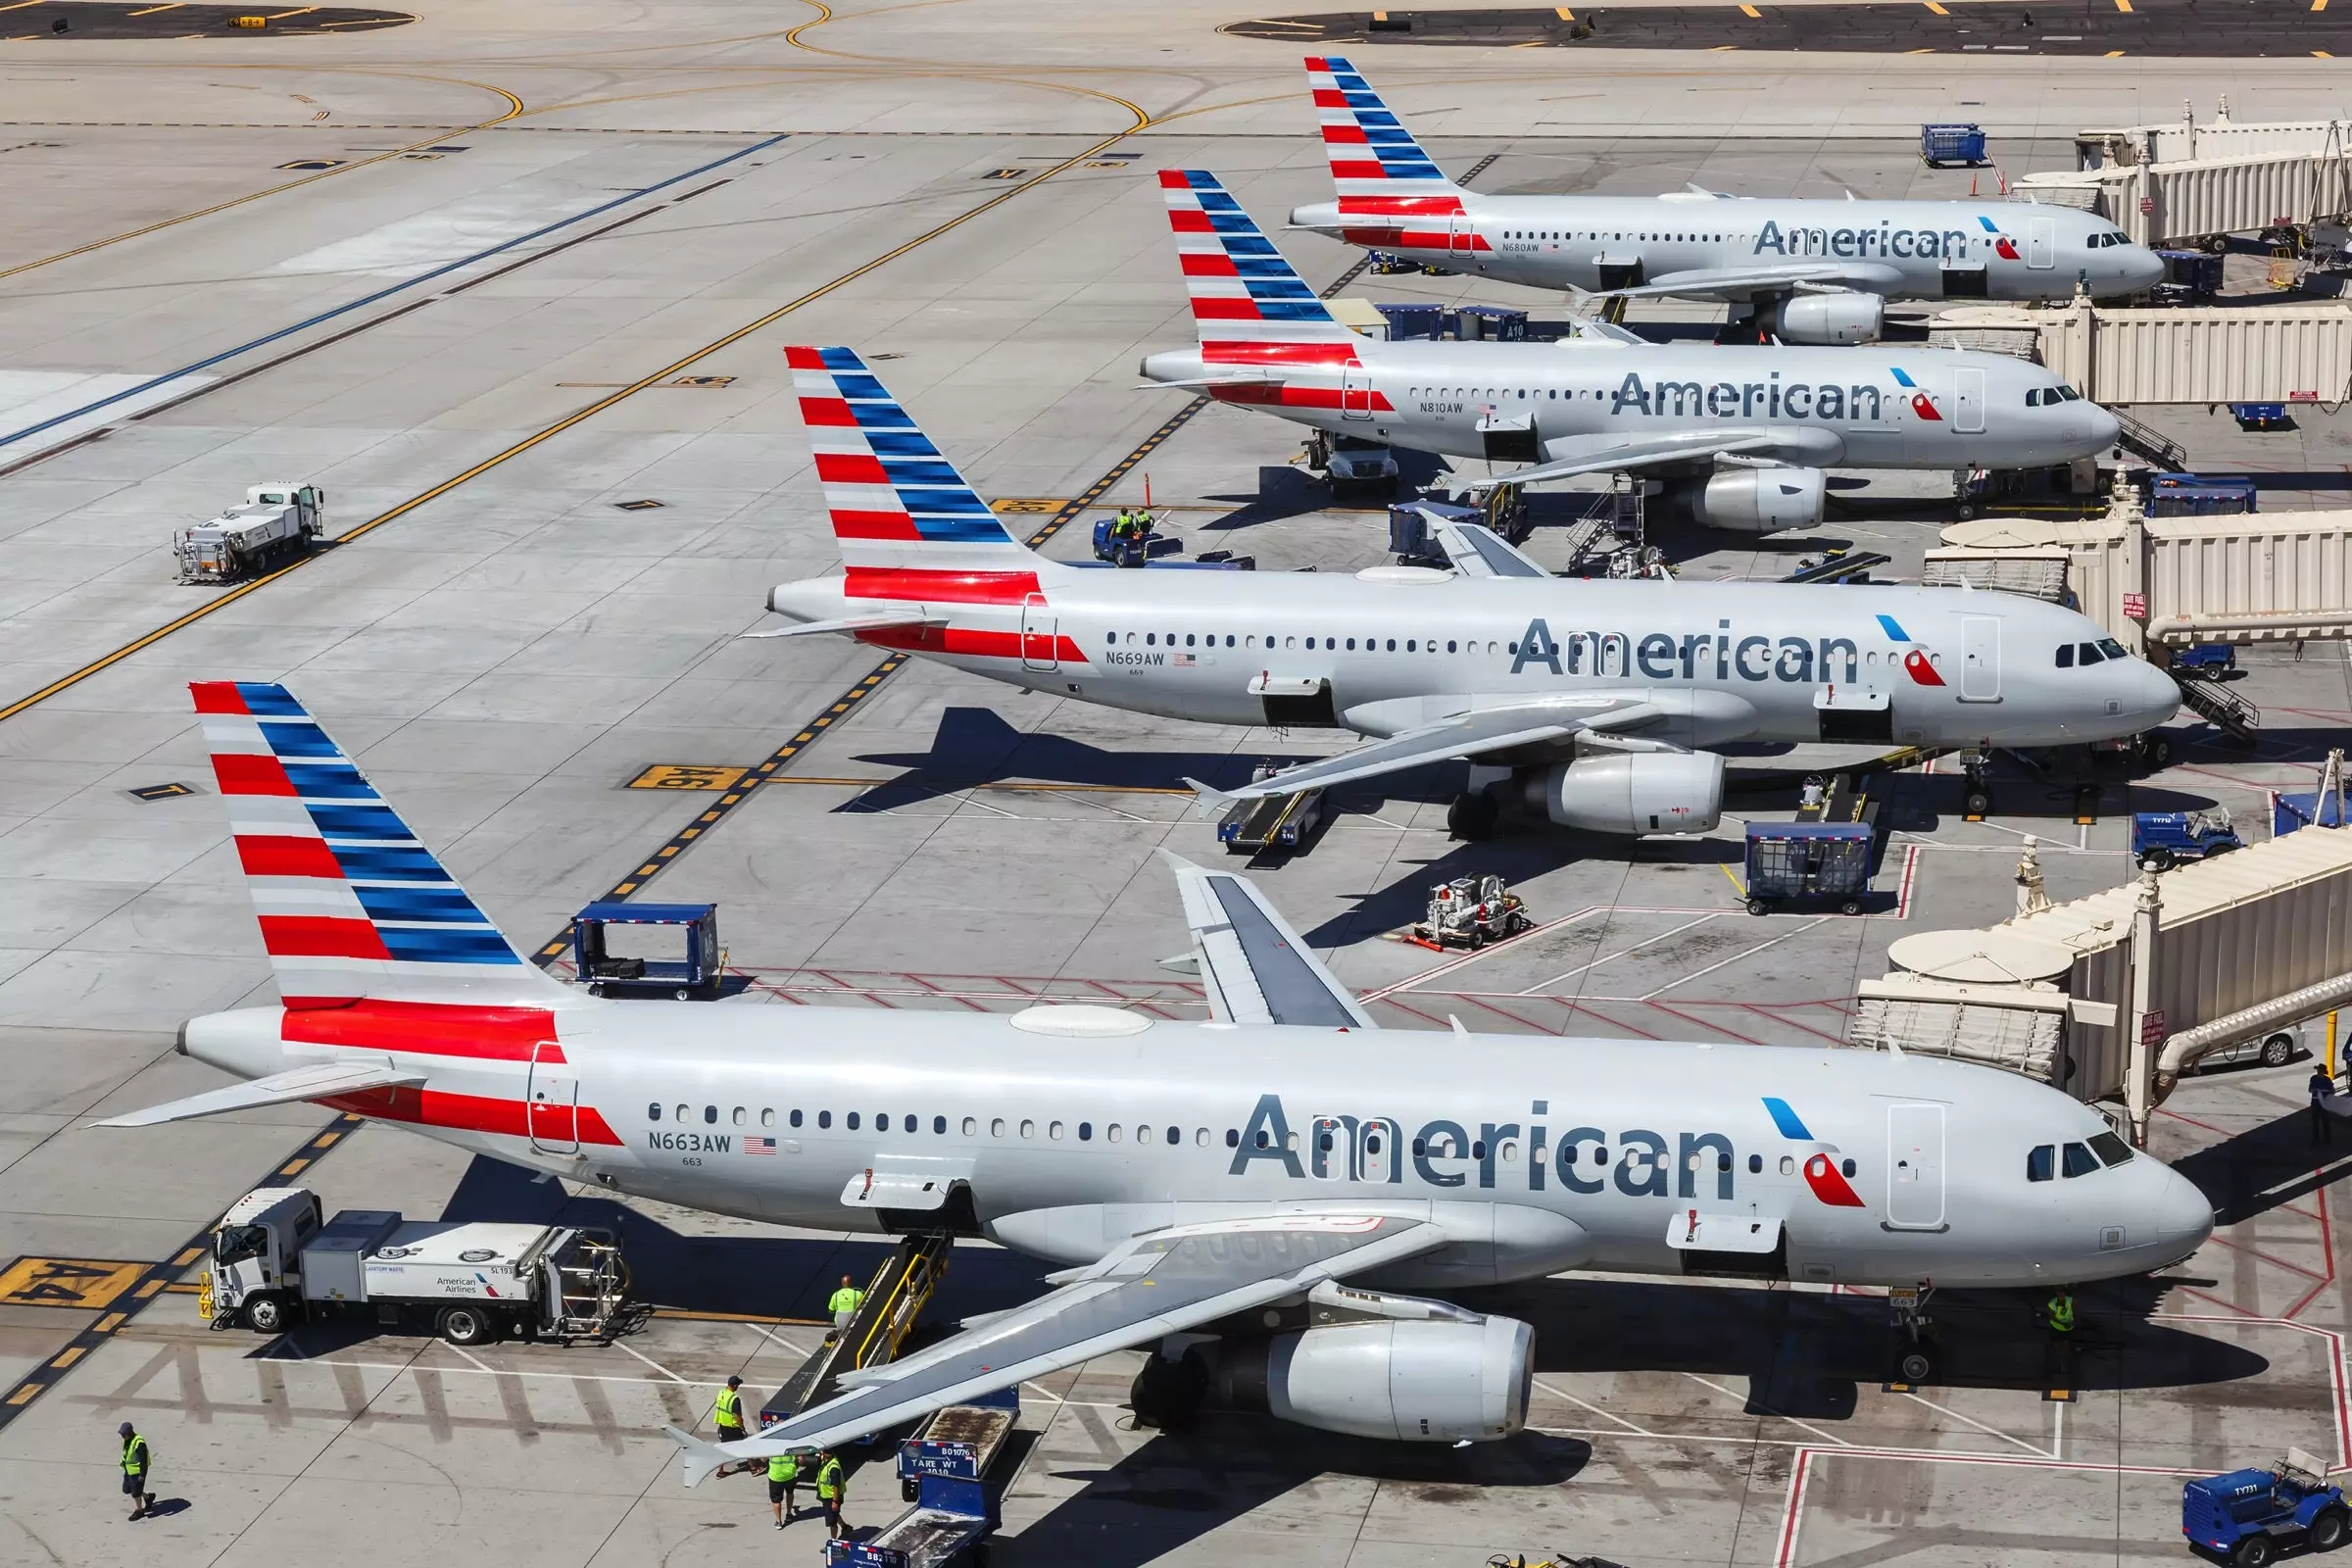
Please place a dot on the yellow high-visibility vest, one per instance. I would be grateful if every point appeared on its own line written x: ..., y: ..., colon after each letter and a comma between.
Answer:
x: 728, y: 1410
x: 134, y: 1457
x: 845, y: 1300
x: 828, y: 1479
x: 783, y: 1467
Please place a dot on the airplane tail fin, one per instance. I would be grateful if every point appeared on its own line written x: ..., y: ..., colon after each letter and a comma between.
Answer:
x: 1241, y: 289
x: 908, y: 525
x: 351, y: 905
x: 1377, y: 166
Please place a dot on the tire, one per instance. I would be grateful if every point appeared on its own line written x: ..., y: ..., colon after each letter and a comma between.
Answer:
x: 266, y: 1314
x: 1851, y: 907
x: 2329, y: 1529
x: 2277, y: 1052
x: 467, y: 1324
x: 2255, y: 1551
x: 685, y: 995
x: 1917, y: 1364
x: 1759, y: 907
x: 2156, y: 752
x: 1472, y: 818
x: 2157, y: 860
x: 2219, y: 850
x: 1167, y: 1395
x: 1978, y: 803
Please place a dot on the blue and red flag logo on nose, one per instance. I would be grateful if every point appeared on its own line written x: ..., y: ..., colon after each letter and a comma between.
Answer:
x: 1822, y: 1174
x: 1916, y: 663
x: 1922, y: 405
x: 2002, y: 245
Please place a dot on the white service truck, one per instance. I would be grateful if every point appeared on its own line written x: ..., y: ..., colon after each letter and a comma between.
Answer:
x: 277, y: 523
x: 274, y: 1262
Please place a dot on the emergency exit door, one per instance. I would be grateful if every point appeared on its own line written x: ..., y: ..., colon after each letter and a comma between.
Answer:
x: 2042, y: 243
x: 554, y: 1105
x: 1463, y: 235
x: 1356, y: 393
x: 1041, y: 634
x: 1979, y: 658
x: 1915, y: 1167
x: 1968, y: 405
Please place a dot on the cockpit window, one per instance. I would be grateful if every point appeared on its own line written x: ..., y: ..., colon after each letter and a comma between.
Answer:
x: 2089, y: 654
x: 2038, y: 1164
x: 2067, y: 394
x: 2066, y: 655
x: 2112, y: 649
x: 2111, y: 1148
x: 2079, y: 1160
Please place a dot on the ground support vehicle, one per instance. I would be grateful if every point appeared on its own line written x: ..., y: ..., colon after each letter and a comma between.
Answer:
x: 1951, y: 143
x: 276, y: 523
x: 2162, y: 839
x: 2244, y: 1517
x: 1134, y: 549
x: 1809, y: 861
x: 700, y: 972
x: 1471, y: 912
x: 943, y: 1471
x: 1270, y: 821
x: 274, y: 1264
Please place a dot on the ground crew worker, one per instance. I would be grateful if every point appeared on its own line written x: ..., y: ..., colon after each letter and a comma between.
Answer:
x: 2059, y: 1313
x: 844, y: 1304
x: 136, y: 1462
x: 1122, y: 526
x: 2322, y: 1090
x: 727, y: 1412
x: 829, y: 1494
x: 783, y: 1481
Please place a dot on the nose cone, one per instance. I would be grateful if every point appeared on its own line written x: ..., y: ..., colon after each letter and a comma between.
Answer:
x: 1324, y: 216
x: 2182, y: 1214
x: 1173, y: 364
x: 2154, y: 697
x: 2104, y: 429
x: 2140, y: 268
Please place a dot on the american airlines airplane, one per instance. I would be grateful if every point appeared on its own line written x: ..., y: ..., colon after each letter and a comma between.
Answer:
x: 1592, y: 702
x: 1812, y: 271
x: 1204, y: 1185
x: 1740, y: 433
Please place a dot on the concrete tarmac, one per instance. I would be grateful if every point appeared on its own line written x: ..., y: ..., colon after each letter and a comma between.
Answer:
x: 538, y: 667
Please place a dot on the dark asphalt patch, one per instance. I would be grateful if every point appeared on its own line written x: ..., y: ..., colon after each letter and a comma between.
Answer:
x: 2166, y: 29
x: 85, y: 20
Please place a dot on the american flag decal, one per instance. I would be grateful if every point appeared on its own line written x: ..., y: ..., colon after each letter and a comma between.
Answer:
x: 759, y: 1146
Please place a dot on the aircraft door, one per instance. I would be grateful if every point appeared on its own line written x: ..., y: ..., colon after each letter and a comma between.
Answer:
x: 1461, y: 236
x: 1979, y: 658
x: 2042, y: 243
x: 1356, y: 393
x: 1915, y: 1167
x: 554, y: 1105
x: 1968, y: 410
x: 1040, y: 634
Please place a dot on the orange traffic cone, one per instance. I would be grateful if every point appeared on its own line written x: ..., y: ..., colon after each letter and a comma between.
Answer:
x: 1971, y: 184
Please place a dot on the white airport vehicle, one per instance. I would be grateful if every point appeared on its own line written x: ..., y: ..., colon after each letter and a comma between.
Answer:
x: 275, y: 1263
x: 1804, y: 270
x: 1191, y: 1179
x: 1592, y: 705
x: 276, y: 523
x: 1739, y: 434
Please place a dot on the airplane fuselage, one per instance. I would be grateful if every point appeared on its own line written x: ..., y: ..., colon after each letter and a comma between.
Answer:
x: 1394, y: 648
x: 1860, y: 408
x: 1074, y: 1128
x: 1912, y: 250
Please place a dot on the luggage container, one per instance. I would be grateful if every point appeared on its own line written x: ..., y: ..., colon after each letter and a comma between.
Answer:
x: 1493, y: 323
x: 1809, y: 861
x: 2197, y: 272
x: 1413, y: 321
x: 2200, y: 495
x: 1951, y: 143
x: 702, y: 970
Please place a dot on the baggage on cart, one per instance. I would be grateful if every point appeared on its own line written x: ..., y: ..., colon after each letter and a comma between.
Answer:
x: 1471, y: 912
x: 1799, y: 861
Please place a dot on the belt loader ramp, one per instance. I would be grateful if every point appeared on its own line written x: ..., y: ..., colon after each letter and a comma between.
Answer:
x: 894, y: 1299
x: 2111, y: 996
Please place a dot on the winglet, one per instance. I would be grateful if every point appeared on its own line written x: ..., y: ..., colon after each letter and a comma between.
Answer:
x: 701, y: 1460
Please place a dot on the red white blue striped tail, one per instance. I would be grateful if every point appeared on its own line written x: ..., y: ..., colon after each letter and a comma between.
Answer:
x: 1241, y: 289
x: 1377, y: 166
x: 350, y: 904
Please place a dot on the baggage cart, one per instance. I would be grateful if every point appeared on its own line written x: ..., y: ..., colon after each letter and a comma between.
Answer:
x: 1790, y: 863
x: 700, y: 972
x: 1951, y: 143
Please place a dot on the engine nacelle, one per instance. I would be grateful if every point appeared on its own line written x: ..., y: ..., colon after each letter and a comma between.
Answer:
x: 1840, y: 318
x: 1642, y: 792
x: 1414, y: 1381
x: 1762, y: 500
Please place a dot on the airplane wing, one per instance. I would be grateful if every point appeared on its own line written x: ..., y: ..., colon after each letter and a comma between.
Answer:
x: 1479, y: 552
x: 1602, y: 454
x: 278, y: 1089
x: 1472, y: 734
x: 848, y: 624
x: 1862, y: 276
x: 1257, y: 969
x: 1142, y: 1291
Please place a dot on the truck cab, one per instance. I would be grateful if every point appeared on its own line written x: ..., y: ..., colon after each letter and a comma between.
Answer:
x: 257, y: 1255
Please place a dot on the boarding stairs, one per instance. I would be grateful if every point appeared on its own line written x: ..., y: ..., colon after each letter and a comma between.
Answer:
x: 2220, y: 706
x: 2167, y: 454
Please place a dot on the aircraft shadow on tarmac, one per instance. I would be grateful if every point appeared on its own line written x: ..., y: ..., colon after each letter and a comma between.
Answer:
x: 973, y: 747
x: 2269, y: 1166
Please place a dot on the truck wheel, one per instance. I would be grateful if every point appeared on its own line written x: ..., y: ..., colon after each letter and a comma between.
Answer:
x: 2156, y: 860
x: 267, y: 1313
x: 1759, y: 907
x: 2329, y: 1529
x: 2277, y: 1051
x: 2252, y: 1552
x: 467, y: 1324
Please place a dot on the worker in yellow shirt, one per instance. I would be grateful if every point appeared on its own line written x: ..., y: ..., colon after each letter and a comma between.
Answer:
x: 783, y: 1480
x: 727, y: 1413
x: 844, y: 1304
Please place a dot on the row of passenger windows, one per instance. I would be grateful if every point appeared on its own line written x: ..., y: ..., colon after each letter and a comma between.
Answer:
x: 1371, y: 645
x: 2077, y: 1160
x: 1570, y: 234
x: 998, y: 1127
x: 2087, y: 653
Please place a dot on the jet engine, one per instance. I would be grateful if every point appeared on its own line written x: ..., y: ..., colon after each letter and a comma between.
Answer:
x: 1758, y: 500
x: 1416, y: 1382
x: 1640, y: 792
x: 1840, y: 318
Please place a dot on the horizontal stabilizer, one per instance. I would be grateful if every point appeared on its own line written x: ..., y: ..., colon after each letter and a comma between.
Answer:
x: 1210, y: 383
x: 278, y: 1089
x: 702, y: 1459
x: 850, y: 625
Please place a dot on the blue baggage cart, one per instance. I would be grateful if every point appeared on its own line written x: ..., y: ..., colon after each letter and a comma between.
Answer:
x: 1951, y: 143
x: 700, y: 972
x: 1412, y: 321
x: 1809, y: 861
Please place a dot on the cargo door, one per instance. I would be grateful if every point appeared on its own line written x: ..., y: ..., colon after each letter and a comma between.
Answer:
x: 1979, y: 658
x: 1968, y: 409
x: 1356, y: 393
x: 2042, y: 243
x: 1041, y: 634
x: 553, y: 1106
x: 1461, y: 236
x: 1915, y: 1167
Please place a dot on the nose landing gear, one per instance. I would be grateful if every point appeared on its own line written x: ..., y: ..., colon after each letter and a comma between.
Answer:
x: 1916, y: 1355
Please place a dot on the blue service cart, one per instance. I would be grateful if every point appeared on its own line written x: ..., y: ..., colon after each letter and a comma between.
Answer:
x: 2201, y: 495
x: 1951, y: 143
x: 1490, y: 324
x: 1809, y: 861
x: 2194, y: 274
x: 2162, y: 839
x: 1135, y: 549
x: 2256, y: 417
x: 2206, y: 662
x: 942, y: 1470
x: 697, y: 973
x: 1412, y: 321
x: 2244, y: 1517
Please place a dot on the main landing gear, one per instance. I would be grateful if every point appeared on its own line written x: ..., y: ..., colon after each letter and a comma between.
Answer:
x: 1916, y: 1355
x: 1473, y: 815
